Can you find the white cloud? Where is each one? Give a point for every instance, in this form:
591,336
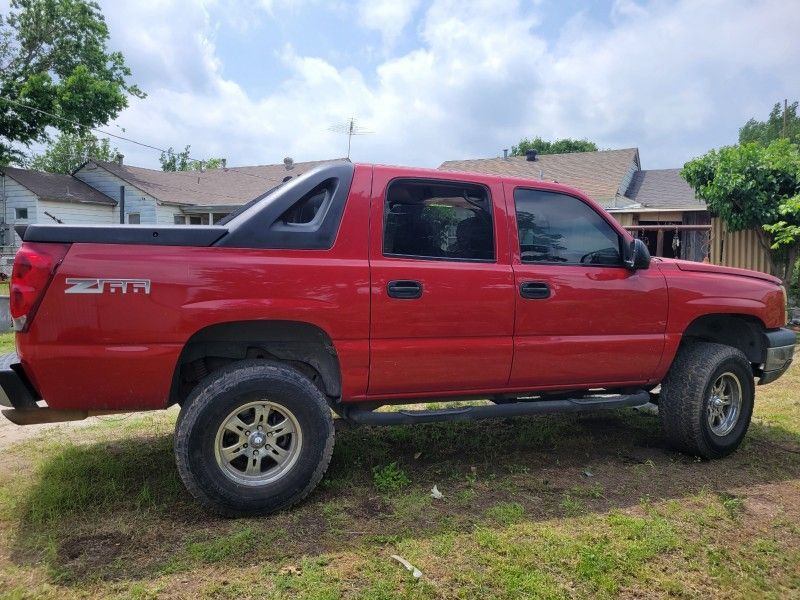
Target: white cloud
671,78
389,17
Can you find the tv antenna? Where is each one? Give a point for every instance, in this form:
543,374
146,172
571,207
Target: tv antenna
349,128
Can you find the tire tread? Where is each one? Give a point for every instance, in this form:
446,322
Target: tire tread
683,396
222,381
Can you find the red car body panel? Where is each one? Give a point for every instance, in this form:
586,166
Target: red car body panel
470,333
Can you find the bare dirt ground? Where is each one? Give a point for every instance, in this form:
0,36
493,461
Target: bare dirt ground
11,434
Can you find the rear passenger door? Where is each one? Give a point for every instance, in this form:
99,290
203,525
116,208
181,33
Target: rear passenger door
441,284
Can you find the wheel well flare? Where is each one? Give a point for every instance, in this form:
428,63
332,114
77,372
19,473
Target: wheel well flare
739,331
302,345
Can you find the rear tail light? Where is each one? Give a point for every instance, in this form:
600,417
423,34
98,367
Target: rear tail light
34,267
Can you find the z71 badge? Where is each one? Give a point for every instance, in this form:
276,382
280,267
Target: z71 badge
99,286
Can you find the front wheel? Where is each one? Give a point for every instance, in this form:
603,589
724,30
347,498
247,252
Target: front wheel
253,438
707,399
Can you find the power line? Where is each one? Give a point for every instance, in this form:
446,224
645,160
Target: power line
49,114
121,137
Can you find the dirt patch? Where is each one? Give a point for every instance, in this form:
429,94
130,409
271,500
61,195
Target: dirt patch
374,506
11,434
93,550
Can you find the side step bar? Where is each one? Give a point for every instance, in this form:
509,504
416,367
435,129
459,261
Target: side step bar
493,411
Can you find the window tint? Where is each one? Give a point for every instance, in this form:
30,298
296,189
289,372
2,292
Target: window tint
438,220
560,229
309,206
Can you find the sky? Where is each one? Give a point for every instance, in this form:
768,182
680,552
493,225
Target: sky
258,80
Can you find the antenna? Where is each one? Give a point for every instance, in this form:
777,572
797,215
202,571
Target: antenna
349,128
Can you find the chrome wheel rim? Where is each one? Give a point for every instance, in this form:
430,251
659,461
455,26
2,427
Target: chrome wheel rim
258,443
724,404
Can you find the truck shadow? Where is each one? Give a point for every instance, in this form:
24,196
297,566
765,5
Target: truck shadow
117,509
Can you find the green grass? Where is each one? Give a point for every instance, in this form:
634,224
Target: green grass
7,342
389,478
586,506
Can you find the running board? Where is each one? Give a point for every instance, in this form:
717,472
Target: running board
493,411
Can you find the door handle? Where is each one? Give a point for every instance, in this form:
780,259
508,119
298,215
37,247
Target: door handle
404,289
534,290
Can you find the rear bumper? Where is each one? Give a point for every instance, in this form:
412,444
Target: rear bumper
780,345
15,389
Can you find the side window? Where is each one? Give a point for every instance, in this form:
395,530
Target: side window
438,220
306,210
560,229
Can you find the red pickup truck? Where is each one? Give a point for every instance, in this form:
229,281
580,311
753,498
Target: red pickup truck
351,287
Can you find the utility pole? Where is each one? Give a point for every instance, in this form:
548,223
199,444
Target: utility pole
785,108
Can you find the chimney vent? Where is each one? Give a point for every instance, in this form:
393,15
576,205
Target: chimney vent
505,153
288,162
119,158
224,163
530,155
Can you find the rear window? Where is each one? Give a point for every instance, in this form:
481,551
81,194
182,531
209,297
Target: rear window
438,220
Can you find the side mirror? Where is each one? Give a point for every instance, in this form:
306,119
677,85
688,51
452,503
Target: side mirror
637,256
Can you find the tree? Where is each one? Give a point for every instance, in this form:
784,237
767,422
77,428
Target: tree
751,186
773,128
181,161
56,71
562,146
70,151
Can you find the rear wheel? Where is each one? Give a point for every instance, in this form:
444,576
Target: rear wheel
253,438
706,400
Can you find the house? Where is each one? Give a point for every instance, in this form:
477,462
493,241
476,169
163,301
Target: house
99,191
671,220
37,197
656,205
182,197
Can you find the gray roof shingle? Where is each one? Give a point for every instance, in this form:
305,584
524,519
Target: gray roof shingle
598,174
663,189
58,187
230,186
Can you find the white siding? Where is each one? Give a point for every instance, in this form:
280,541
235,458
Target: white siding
136,201
18,197
166,213
76,212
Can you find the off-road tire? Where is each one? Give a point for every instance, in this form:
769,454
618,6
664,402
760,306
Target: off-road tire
686,393
212,401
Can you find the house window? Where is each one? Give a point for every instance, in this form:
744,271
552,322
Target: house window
193,220
134,219
561,229
21,213
438,220
179,219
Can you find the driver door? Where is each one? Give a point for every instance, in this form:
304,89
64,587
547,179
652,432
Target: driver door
581,317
